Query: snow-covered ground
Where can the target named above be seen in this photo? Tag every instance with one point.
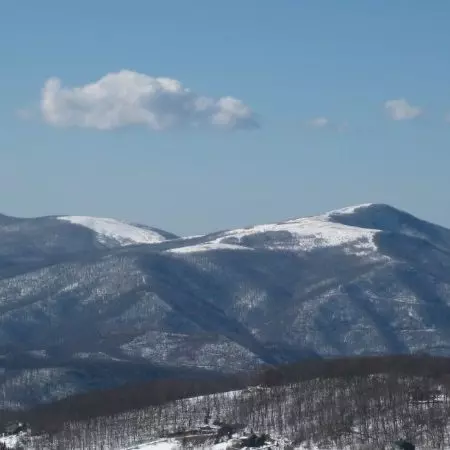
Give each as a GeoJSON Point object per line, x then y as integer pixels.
{"type": "Point", "coordinates": [10, 441]}
{"type": "Point", "coordinates": [111, 229]}
{"type": "Point", "coordinates": [303, 234]}
{"type": "Point", "coordinates": [206, 247]}
{"type": "Point", "coordinates": [312, 232]}
{"type": "Point", "coordinates": [174, 444]}
{"type": "Point", "coordinates": [159, 444]}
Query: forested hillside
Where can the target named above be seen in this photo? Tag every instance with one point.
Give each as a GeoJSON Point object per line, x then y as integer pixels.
{"type": "Point", "coordinates": [342, 404]}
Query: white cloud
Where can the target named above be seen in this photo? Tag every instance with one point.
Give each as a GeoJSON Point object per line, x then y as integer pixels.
{"type": "Point", "coordinates": [130, 98]}
{"type": "Point", "coordinates": [400, 109]}
{"type": "Point", "coordinates": [322, 123]}
{"type": "Point", "coordinates": [318, 122]}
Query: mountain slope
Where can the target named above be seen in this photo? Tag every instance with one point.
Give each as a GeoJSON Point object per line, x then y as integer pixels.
{"type": "Point", "coordinates": [304, 234]}
{"type": "Point", "coordinates": [112, 232]}
{"type": "Point", "coordinates": [29, 243]}
{"type": "Point", "coordinates": [362, 280]}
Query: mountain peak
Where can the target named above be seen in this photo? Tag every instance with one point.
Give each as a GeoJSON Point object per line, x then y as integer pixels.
{"type": "Point", "coordinates": [352, 209]}
{"type": "Point", "coordinates": [353, 227]}
{"type": "Point", "coordinates": [112, 230]}
{"type": "Point", "coordinates": [376, 216]}
{"type": "Point", "coordinates": [385, 218]}
{"type": "Point", "coordinates": [364, 207]}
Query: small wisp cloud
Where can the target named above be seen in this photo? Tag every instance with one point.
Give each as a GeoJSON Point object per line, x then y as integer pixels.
{"type": "Point", "coordinates": [318, 122]}
{"type": "Point", "coordinates": [400, 109]}
{"type": "Point", "coordinates": [129, 98]}
{"type": "Point", "coordinates": [324, 123]}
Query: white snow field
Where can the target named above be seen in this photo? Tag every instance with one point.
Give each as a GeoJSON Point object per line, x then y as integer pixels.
{"type": "Point", "coordinates": [302, 234]}
{"type": "Point", "coordinates": [121, 232]}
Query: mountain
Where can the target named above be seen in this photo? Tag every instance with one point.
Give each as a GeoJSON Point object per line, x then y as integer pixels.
{"type": "Point", "coordinates": [87, 302]}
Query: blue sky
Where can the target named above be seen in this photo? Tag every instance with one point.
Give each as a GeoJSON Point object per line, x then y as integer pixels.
{"type": "Point", "coordinates": [314, 76]}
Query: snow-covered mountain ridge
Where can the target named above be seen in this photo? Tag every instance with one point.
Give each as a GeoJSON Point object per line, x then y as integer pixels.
{"type": "Point", "coordinates": [303, 234]}
{"type": "Point", "coordinates": [79, 294]}
{"type": "Point", "coordinates": [122, 233]}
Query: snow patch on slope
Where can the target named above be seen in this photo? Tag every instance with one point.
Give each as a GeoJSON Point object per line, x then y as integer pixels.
{"type": "Point", "coordinates": [303, 234]}
{"type": "Point", "coordinates": [307, 234]}
{"type": "Point", "coordinates": [160, 444]}
{"type": "Point", "coordinates": [214, 245]}
{"type": "Point", "coordinates": [10, 441]}
{"type": "Point", "coordinates": [314, 232]}
{"type": "Point", "coordinates": [111, 229]}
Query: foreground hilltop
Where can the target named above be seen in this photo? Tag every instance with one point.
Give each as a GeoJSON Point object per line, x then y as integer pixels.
{"type": "Point", "coordinates": [359, 403]}
{"type": "Point", "coordinates": [87, 302]}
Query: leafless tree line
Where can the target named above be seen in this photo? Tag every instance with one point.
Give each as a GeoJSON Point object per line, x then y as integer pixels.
{"type": "Point", "coordinates": [339, 408]}
{"type": "Point", "coordinates": [336, 412]}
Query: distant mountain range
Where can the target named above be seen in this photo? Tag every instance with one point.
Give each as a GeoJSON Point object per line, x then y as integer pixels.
{"type": "Point", "coordinates": [88, 302]}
